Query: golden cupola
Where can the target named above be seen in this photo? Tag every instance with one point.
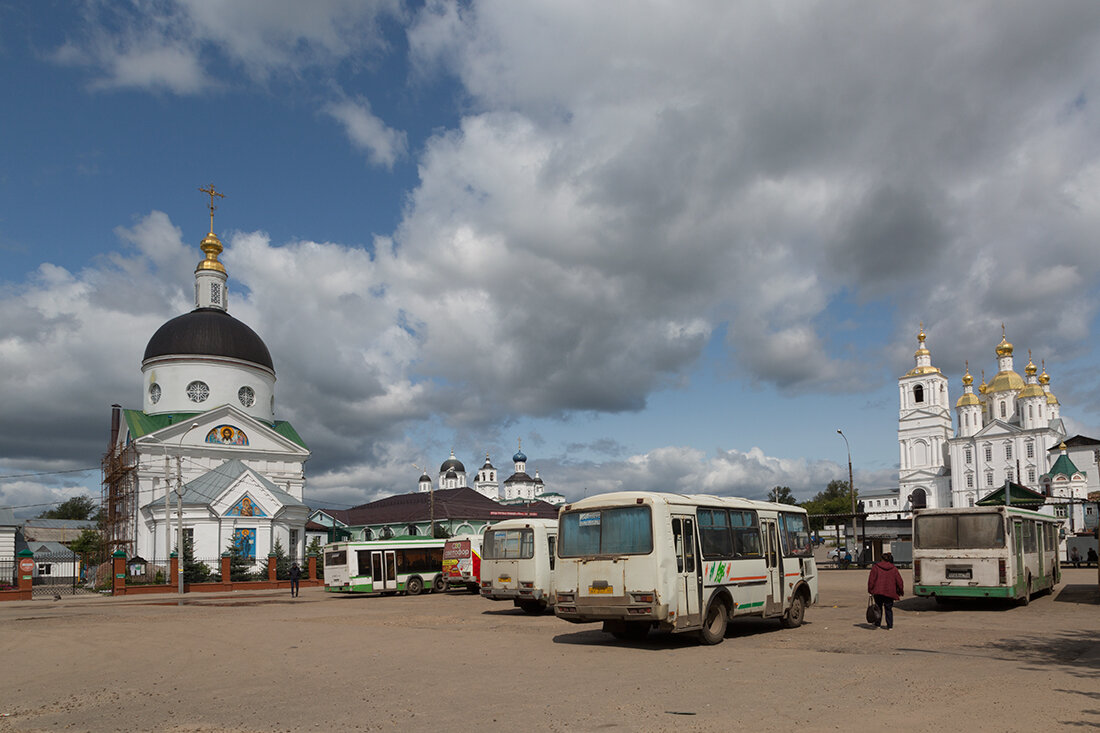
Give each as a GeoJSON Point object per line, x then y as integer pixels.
{"type": "Point", "coordinates": [923, 357]}
{"type": "Point", "coordinates": [1006, 380]}
{"type": "Point", "coordinates": [211, 247]}
{"type": "Point", "coordinates": [1032, 388]}
{"type": "Point", "coordinates": [968, 397]}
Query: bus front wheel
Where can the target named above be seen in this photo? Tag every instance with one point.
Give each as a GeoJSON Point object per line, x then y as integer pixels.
{"type": "Point", "coordinates": [413, 586]}
{"type": "Point", "coordinates": [714, 627]}
{"type": "Point", "coordinates": [793, 618]}
{"type": "Point", "coordinates": [439, 585]}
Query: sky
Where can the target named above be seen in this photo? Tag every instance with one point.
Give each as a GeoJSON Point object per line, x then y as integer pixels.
{"type": "Point", "coordinates": [668, 246]}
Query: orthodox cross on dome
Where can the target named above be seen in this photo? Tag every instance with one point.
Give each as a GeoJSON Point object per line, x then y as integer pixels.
{"type": "Point", "coordinates": [212, 193]}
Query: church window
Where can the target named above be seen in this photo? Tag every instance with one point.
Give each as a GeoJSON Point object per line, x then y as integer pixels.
{"type": "Point", "coordinates": [1008, 451]}
{"type": "Point", "coordinates": [154, 393]}
{"type": "Point", "coordinates": [198, 391]}
{"type": "Point", "coordinates": [1030, 449]}
{"type": "Point", "coordinates": [1011, 475]}
{"type": "Point", "coordinates": [989, 479]}
{"type": "Point", "coordinates": [1003, 409]}
{"type": "Point", "coordinates": [971, 500]}
{"type": "Point", "coordinates": [969, 480]}
{"type": "Point", "coordinates": [968, 455]}
{"type": "Point", "coordinates": [1031, 475]}
{"type": "Point", "coordinates": [1030, 411]}
{"type": "Point", "coordinates": [294, 543]}
{"type": "Point", "coordinates": [247, 396]}
{"type": "Point", "coordinates": [988, 453]}
{"type": "Point", "coordinates": [216, 293]}
{"type": "Point", "coordinates": [918, 393]}
{"type": "Point", "coordinates": [1060, 511]}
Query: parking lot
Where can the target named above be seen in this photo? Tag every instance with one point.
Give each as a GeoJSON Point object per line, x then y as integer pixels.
{"type": "Point", "coordinates": [262, 661]}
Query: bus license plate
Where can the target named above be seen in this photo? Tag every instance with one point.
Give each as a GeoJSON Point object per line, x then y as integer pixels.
{"type": "Point", "coordinates": [959, 573]}
{"type": "Point", "coordinates": [594, 590]}
{"type": "Point", "coordinates": [504, 578]}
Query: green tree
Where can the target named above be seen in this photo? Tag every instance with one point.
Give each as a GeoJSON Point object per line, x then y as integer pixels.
{"type": "Point", "coordinates": [193, 571]}
{"type": "Point", "coordinates": [78, 507]}
{"type": "Point", "coordinates": [240, 566]}
{"type": "Point", "coordinates": [90, 546]}
{"type": "Point", "coordinates": [316, 548]}
{"type": "Point", "coordinates": [835, 499]}
{"type": "Point", "coordinates": [282, 561]}
{"type": "Point", "coordinates": [781, 495]}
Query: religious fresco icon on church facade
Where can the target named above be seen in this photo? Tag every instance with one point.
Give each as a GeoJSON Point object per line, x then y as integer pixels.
{"type": "Point", "coordinates": [245, 542]}
{"type": "Point", "coordinates": [245, 508]}
{"type": "Point", "coordinates": [227, 435]}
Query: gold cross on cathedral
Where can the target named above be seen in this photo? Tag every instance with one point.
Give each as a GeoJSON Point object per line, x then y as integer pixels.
{"type": "Point", "coordinates": [212, 193]}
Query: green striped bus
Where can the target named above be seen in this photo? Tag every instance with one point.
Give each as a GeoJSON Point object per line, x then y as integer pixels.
{"type": "Point", "coordinates": [397, 565]}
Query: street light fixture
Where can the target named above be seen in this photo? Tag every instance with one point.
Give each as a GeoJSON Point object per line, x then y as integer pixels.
{"type": "Point", "coordinates": [851, 483]}
{"type": "Point", "coordinates": [179, 512]}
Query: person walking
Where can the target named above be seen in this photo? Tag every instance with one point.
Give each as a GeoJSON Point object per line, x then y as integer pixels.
{"type": "Point", "coordinates": [295, 578]}
{"type": "Point", "coordinates": [886, 585]}
{"type": "Point", "coordinates": [1092, 556]}
{"type": "Point", "coordinates": [1075, 557]}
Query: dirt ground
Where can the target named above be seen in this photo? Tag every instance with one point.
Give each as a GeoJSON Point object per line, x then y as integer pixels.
{"type": "Point", "coordinates": [262, 661]}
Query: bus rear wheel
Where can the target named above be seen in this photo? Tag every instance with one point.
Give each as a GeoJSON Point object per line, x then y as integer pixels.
{"type": "Point", "coordinates": [439, 585]}
{"type": "Point", "coordinates": [472, 588]}
{"type": "Point", "coordinates": [1027, 593]}
{"type": "Point", "coordinates": [714, 627]}
{"type": "Point", "coordinates": [413, 586]}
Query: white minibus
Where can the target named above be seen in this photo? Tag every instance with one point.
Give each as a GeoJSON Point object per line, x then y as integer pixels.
{"type": "Point", "coordinates": [638, 560]}
{"type": "Point", "coordinates": [984, 552]}
{"type": "Point", "coordinates": [517, 563]}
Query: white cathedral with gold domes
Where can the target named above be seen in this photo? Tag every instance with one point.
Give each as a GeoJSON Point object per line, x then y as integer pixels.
{"type": "Point", "coordinates": [1008, 430]}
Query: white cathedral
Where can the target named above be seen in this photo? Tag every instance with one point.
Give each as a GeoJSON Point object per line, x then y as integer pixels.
{"type": "Point", "coordinates": [1010, 429]}
{"type": "Point", "coordinates": [517, 488]}
{"type": "Point", "coordinates": [206, 443]}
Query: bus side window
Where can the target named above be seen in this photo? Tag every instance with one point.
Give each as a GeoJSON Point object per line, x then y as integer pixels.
{"type": "Point", "coordinates": [689, 545]}
{"type": "Point", "coordinates": [678, 544]}
{"type": "Point", "coordinates": [550, 543]}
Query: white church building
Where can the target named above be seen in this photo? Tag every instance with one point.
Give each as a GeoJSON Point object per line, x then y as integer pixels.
{"type": "Point", "coordinates": [206, 442]}
{"type": "Point", "coordinates": [519, 487]}
{"type": "Point", "coordinates": [1007, 430]}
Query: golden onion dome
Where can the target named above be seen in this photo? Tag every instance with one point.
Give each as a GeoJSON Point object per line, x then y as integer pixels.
{"type": "Point", "coordinates": [1006, 381]}
{"type": "Point", "coordinates": [982, 387]}
{"type": "Point", "coordinates": [212, 246]}
{"type": "Point", "coordinates": [1044, 378]}
{"type": "Point", "coordinates": [1004, 348]}
{"type": "Point", "coordinates": [1030, 368]}
{"type": "Point", "coordinates": [1031, 390]}
{"type": "Point", "coordinates": [967, 398]}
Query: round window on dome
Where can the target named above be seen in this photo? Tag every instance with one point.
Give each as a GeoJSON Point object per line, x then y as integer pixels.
{"type": "Point", "coordinates": [247, 396]}
{"type": "Point", "coordinates": [198, 391]}
{"type": "Point", "coordinates": [154, 393]}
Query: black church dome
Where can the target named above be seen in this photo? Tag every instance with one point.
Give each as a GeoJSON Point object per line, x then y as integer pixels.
{"type": "Point", "coordinates": [209, 332]}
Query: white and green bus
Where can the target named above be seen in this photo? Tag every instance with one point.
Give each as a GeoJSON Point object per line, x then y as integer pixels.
{"type": "Point", "coordinates": [638, 560]}
{"type": "Point", "coordinates": [984, 552]}
{"type": "Point", "coordinates": [397, 565]}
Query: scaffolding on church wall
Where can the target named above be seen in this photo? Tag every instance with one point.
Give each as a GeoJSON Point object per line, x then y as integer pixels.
{"type": "Point", "coordinates": [118, 497]}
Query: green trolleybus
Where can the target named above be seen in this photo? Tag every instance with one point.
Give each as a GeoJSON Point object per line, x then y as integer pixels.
{"type": "Point", "coordinates": [984, 552]}
{"type": "Point", "coordinates": [638, 560]}
{"type": "Point", "coordinates": [398, 565]}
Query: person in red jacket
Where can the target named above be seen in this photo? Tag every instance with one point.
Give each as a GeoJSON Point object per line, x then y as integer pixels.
{"type": "Point", "coordinates": [885, 584]}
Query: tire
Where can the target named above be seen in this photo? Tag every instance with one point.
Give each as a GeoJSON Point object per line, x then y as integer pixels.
{"type": "Point", "coordinates": [1026, 600]}
{"type": "Point", "coordinates": [439, 585]}
{"type": "Point", "coordinates": [714, 625]}
{"type": "Point", "coordinates": [413, 586]}
{"type": "Point", "coordinates": [533, 608]}
{"type": "Point", "coordinates": [796, 613]}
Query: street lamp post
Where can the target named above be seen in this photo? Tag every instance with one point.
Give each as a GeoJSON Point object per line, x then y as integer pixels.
{"type": "Point", "coordinates": [179, 511]}
{"type": "Point", "coordinates": [851, 483]}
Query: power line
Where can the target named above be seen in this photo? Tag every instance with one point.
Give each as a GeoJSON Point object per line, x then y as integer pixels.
{"type": "Point", "coordinates": [4, 477]}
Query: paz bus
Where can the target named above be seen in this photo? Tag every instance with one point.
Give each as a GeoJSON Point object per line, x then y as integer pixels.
{"type": "Point", "coordinates": [397, 565]}
{"type": "Point", "coordinates": [462, 562]}
{"type": "Point", "coordinates": [637, 560]}
{"type": "Point", "coordinates": [517, 564]}
{"type": "Point", "coordinates": [984, 552]}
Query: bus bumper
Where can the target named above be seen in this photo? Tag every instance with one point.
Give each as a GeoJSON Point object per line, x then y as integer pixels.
{"type": "Point", "coordinates": [609, 609]}
{"type": "Point", "coordinates": [964, 591]}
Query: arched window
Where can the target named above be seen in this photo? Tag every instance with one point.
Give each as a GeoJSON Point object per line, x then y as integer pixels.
{"type": "Point", "coordinates": [918, 393]}
{"type": "Point", "coordinates": [368, 534]}
{"type": "Point", "coordinates": [1004, 409]}
{"type": "Point", "coordinates": [1030, 412]}
{"type": "Point", "coordinates": [411, 530]}
{"type": "Point", "coordinates": [918, 499]}
{"type": "Point", "coordinates": [387, 533]}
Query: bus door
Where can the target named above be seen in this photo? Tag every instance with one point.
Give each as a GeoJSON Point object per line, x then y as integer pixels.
{"type": "Point", "coordinates": [1039, 530]}
{"type": "Point", "coordinates": [1018, 539]}
{"type": "Point", "coordinates": [773, 603]}
{"type": "Point", "coordinates": [688, 577]}
{"type": "Point", "coordinates": [384, 569]}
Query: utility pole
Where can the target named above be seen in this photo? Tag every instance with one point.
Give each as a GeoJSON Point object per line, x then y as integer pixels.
{"type": "Point", "coordinates": [179, 513]}
{"type": "Point", "coordinates": [851, 484]}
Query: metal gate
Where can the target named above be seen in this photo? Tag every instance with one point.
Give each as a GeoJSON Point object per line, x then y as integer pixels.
{"type": "Point", "coordinates": [58, 574]}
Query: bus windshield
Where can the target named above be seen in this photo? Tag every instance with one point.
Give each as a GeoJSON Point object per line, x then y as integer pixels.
{"type": "Point", "coordinates": [508, 544]}
{"type": "Point", "coordinates": [626, 530]}
{"type": "Point", "coordinates": [959, 532]}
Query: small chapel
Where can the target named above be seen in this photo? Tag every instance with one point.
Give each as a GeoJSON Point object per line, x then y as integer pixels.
{"type": "Point", "coordinates": [206, 450]}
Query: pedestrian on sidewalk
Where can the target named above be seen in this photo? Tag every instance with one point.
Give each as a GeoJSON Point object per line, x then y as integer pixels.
{"type": "Point", "coordinates": [1075, 557]}
{"type": "Point", "coordinates": [295, 578]}
{"type": "Point", "coordinates": [886, 585]}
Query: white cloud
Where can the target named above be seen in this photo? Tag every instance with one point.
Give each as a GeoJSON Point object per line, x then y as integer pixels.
{"type": "Point", "coordinates": [383, 144]}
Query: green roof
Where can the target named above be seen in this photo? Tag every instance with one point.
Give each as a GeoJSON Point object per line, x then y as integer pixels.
{"type": "Point", "coordinates": [1062, 467]}
{"type": "Point", "coordinates": [141, 424]}
{"type": "Point", "coordinates": [1021, 496]}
